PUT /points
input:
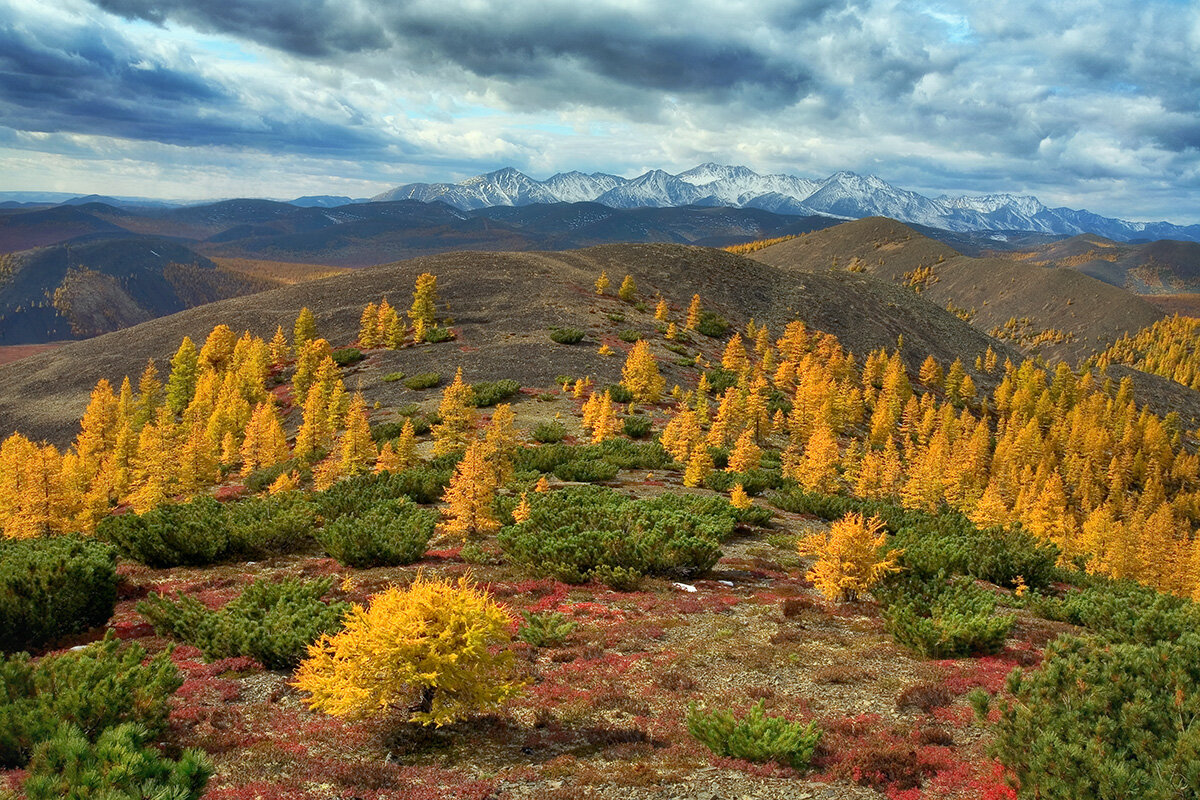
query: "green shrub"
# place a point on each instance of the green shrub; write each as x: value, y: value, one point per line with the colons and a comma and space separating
x: 619, y: 393
x: 437, y: 335
x: 712, y: 324
x: 123, y: 764
x: 98, y: 687
x: 589, y: 470
x: 489, y: 393
x: 261, y: 479
x: 53, y: 586
x: 720, y: 379
x: 756, y: 737
x: 629, y: 335
x: 940, y: 619
x: 566, y: 335
x: 545, y: 630
x: 637, y: 427
x: 392, y: 377
x: 549, y: 432
x: 171, y: 535
x: 347, y: 356
x: 1103, y: 720
x: 574, y: 534
x: 678, y: 349
x: 352, y: 495
x: 271, y: 525
x: 615, y: 316
x: 426, y: 380
x: 387, y: 534
x: 271, y: 622
x: 1123, y: 611
x: 754, y: 482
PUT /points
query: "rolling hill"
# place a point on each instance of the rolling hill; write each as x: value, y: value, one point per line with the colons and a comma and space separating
x: 1058, y: 313
x: 502, y: 305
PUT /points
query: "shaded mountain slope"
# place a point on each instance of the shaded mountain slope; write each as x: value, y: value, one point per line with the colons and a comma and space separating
x: 1059, y: 313
x: 1160, y: 267
x: 502, y: 305
x: 25, y: 230
x: 81, y: 289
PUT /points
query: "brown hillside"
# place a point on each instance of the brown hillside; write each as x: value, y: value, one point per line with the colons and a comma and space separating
x: 1058, y: 313
x: 502, y: 305
x: 1151, y: 268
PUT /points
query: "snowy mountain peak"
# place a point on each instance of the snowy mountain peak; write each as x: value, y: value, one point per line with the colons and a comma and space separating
x: 844, y: 194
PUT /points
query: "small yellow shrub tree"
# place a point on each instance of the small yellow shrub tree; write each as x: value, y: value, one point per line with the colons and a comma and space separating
x: 848, y: 557
x: 435, y: 648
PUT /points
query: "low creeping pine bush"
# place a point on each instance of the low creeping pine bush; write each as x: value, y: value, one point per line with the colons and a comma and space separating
x: 271, y: 622
x: 98, y: 687
x: 262, y: 526
x: 261, y: 479
x: 489, y: 393
x: 122, y: 764
x: 1099, y: 719
x: 171, y: 535
x: 712, y: 324
x: 566, y: 335
x: 940, y: 618
x: 347, y: 356
x: 386, y: 534
x: 426, y: 380
x: 546, y: 629
x: 53, y: 586
x: 585, y: 532
x: 437, y: 335
x: 637, y: 427
x: 1122, y: 611
x: 549, y: 432
x: 423, y: 484
x: 619, y: 393
x: 755, y: 737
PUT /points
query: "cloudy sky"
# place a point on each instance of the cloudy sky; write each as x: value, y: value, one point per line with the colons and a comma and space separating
x: 1092, y: 104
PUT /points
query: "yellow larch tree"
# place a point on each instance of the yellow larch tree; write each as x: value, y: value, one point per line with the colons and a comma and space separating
x: 640, y: 374
x: 265, y: 442
x: 181, y: 383
x: 423, y: 312
x: 217, y: 353
x: 738, y: 497
x: 602, y: 283
x: 699, y: 465
x: 682, y: 434
x: 734, y: 358
x: 368, y: 327
x: 501, y: 441
x: 850, y: 557
x: 605, y: 424
x: 304, y: 330
x: 400, y: 454
x: 694, y: 312
x: 746, y: 454
x: 279, y: 348
x: 931, y: 374
x: 471, y: 494
x: 457, y: 413
x: 356, y: 451
x: 309, y: 358
x: 661, y: 310
x: 628, y: 289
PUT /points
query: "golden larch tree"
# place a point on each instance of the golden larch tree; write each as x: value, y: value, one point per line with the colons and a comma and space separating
x: 304, y: 330
x: 694, y: 312
x: 423, y: 312
x: 849, y: 557
x: 471, y: 494
x: 640, y: 374
x: 457, y: 413
x: 602, y: 283
x: 628, y: 289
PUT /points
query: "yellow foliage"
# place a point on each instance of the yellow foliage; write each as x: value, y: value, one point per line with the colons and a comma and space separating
x: 522, y: 511
x: 628, y: 289
x: 602, y: 283
x: 435, y: 649
x: 457, y: 411
x: 640, y: 374
x: 693, y: 313
x: 738, y: 497
x: 424, y: 305
x: 660, y: 310
x: 848, y: 557
x: 470, y: 495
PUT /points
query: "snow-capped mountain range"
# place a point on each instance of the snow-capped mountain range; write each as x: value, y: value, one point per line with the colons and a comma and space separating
x: 843, y: 194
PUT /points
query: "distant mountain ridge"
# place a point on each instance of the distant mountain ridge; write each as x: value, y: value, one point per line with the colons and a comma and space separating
x: 843, y: 194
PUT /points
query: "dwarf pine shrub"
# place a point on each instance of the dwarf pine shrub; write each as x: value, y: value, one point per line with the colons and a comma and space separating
x: 546, y: 629
x: 122, y: 764
x: 489, y: 393
x: 171, y: 535
x: 386, y: 534
x: 577, y: 533
x: 944, y: 619
x: 53, y: 586
x: 98, y: 687
x: 755, y: 737
x: 566, y: 335
x: 271, y: 622
x: 423, y: 484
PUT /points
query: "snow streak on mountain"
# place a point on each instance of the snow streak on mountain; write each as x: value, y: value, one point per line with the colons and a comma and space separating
x: 843, y: 194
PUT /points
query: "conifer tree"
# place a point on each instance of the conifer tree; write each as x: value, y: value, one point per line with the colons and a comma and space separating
x: 672, y: 332
x: 522, y: 511
x: 931, y: 373
x: 694, y: 312
x: 471, y: 494
x: 181, y: 384
x: 217, y: 353
x: 640, y: 374
x: 501, y: 442
x: 309, y: 358
x: 628, y: 289
x: 264, y: 443
x: 661, y: 311
x: 368, y: 327
x: 152, y: 468
x: 850, y: 557
x: 305, y: 329
x: 280, y: 351
x: 699, y: 465
x: 682, y: 434
x: 605, y: 423
x: 150, y: 395
x: 457, y: 413
x: 356, y: 451
x: 602, y: 283
x: 738, y: 497
x: 423, y: 312
x: 734, y: 358
x: 314, y: 434
x: 817, y: 472
x: 746, y: 454
x: 390, y: 326
x: 388, y: 459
